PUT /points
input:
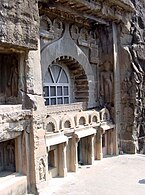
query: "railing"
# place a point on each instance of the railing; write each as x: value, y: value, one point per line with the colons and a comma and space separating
x: 73, y: 120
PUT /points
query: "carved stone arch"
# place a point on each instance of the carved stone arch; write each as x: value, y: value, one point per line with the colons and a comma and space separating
x: 94, y: 117
x: 81, y: 88
x: 104, y: 115
x: 69, y: 120
x: 81, y: 116
x: 60, y: 48
x: 52, y: 125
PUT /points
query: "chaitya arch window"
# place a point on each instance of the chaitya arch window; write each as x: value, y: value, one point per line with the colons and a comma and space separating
x: 56, y: 86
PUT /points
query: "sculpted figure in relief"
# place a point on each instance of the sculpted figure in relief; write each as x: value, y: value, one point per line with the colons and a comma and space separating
x: 13, y: 79
x: 106, y: 86
x: 41, y: 169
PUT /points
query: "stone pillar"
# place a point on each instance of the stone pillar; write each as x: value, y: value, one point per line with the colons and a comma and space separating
x: 109, y: 144
x: 114, y: 140
x: 117, y: 90
x: 91, y: 152
x: 62, y: 167
x: 27, y: 145
x: 74, y: 154
x: 99, y: 154
x: 18, y: 154
x: 19, y: 141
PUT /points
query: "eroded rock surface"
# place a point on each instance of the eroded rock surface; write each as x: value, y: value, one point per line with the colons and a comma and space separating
x: 19, y: 23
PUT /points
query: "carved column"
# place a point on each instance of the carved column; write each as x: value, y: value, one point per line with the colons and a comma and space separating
x: 19, y: 154
x: 62, y: 160
x: 27, y: 144
x: 91, y: 152
x: 99, y: 154
x: 74, y: 154
x: 116, y: 84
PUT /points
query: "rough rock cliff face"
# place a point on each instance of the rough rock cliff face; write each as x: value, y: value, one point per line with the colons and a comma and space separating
x: 132, y: 67
x: 19, y: 23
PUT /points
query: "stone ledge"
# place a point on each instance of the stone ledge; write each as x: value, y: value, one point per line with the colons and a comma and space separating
x: 13, y: 184
x: 53, y: 109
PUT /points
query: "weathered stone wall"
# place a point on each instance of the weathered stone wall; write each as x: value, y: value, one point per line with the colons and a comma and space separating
x: 19, y: 23
x: 132, y: 60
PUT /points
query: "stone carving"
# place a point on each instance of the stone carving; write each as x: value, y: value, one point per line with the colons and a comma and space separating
x: 107, y: 82
x: 74, y: 31
x: 10, y: 155
x: 52, y: 124
x: 94, y: 50
x: 46, y: 31
x: 57, y: 28
x: 7, y: 155
x: 50, y: 30
x: 42, y: 170
x: 94, y: 117
x: 67, y: 121
x: 81, y: 118
x: 13, y: 79
x: 104, y: 115
x: 84, y: 38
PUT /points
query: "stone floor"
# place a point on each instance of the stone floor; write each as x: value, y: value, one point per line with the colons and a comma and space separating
x: 120, y: 175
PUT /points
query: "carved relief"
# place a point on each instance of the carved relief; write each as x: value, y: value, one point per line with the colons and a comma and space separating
x: 84, y: 38
x: 46, y: 30
x: 52, y: 124
x: 57, y: 28
x: 94, y: 50
x: 81, y: 118
x: 107, y: 83
x: 104, y: 115
x: 7, y: 155
x: 50, y: 30
x: 9, y: 78
x: 42, y: 170
x: 10, y: 159
x: 67, y: 122
x: 94, y: 117
x: 74, y: 31
x: 13, y: 79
